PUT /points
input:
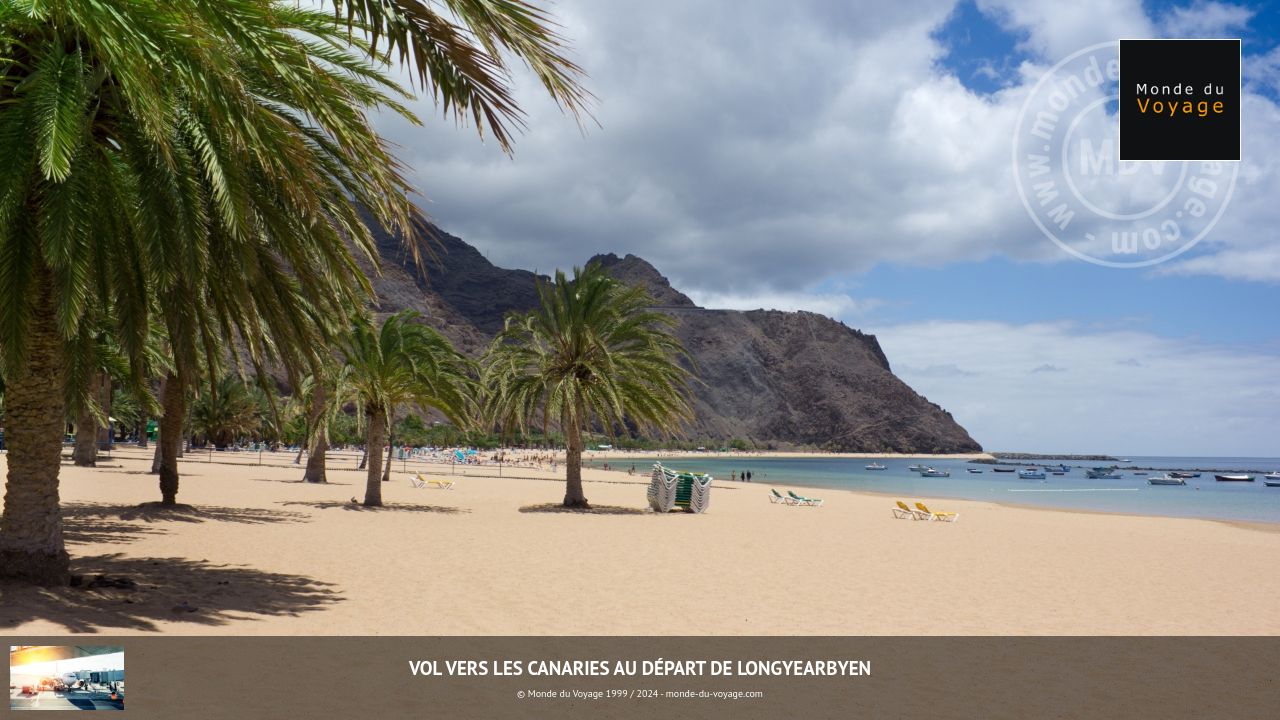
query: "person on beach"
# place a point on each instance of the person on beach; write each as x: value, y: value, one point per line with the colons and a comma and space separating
x: 748, y: 476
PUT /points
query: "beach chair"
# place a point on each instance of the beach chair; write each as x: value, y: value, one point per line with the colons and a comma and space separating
x: 425, y: 482
x: 802, y: 500
x: 418, y: 482
x: 904, y: 511
x: 927, y: 514
x: 777, y: 497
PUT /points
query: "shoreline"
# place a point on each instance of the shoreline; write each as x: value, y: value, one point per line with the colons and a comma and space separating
x: 258, y: 552
x: 781, y: 454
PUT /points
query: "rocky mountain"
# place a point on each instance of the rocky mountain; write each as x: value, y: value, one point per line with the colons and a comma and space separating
x: 777, y: 379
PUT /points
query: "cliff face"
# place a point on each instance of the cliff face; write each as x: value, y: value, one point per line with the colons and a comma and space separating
x: 785, y: 379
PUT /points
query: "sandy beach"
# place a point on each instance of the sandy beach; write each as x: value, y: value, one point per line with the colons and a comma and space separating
x: 259, y: 553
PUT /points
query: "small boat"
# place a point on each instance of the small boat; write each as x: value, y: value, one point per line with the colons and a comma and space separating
x: 1165, y: 480
x: 1059, y: 473
x: 1272, y: 476
x: 930, y: 472
x: 1031, y: 474
x: 1233, y: 478
x: 875, y: 466
x: 1184, y: 475
x: 915, y: 468
x: 1002, y: 469
x: 1271, y: 483
x: 1057, y: 469
x: 975, y: 471
x: 1101, y: 473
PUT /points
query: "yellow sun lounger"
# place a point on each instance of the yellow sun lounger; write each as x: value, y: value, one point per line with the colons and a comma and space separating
x: 930, y: 515
x: 904, y: 511
x: 424, y: 482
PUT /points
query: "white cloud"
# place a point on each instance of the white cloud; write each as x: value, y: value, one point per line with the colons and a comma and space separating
x: 780, y: 144
x: 837, y: 305
x: 1114, y: 391
x: 1206, y: 20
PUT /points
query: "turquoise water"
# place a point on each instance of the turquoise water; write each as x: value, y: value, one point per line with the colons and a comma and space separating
x: 1201, y: 497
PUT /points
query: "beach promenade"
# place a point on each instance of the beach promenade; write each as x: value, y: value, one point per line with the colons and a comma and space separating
x: 259, y: 553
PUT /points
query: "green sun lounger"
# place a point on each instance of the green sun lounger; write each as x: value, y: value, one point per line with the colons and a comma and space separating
x: 802, y: 500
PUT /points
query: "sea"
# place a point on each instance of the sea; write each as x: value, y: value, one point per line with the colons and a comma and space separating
x: 1201, y: 497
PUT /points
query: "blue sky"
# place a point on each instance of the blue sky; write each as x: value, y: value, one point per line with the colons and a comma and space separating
x: 853, y: 159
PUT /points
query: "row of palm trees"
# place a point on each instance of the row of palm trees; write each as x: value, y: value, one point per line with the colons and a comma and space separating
x: 193, y: 184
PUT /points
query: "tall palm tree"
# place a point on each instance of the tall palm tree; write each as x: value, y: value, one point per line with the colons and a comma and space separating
x: 320, y: 398
x: 201, y: 165
x: 402, y: 362
x: 591, y: 353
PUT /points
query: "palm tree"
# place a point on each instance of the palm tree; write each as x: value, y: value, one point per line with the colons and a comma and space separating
x: 592, y: 353
x: 402, y: 362
x: 227, y: 412
x: 320, y: 399
x: 201, y: 166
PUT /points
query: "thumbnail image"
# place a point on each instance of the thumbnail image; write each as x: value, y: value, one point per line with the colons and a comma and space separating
x: 66, y: 677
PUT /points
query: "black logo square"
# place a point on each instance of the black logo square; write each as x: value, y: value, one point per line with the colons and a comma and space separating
x: 1179, y: 99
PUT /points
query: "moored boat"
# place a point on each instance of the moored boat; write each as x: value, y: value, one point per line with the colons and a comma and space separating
x: 1272, y: 483
x: 930, y: 472
x: 1057, y: 469
x: 1272, y: 476
x: 875, y: 466
x: 1102, y: 473
x: 1002, y: 469
x: 1165, y: 480
x: 915, y: 468
x: 1233, y: 478
x: 1184, y: 475
x: 975, y: 471
x: 1031, y: 474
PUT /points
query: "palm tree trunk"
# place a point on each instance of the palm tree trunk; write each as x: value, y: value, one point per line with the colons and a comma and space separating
x: 142, y: 430
x: 573, y: 495
x: 86, y: 450
x: 170, y: 440
x: 391, y: 444
x: 374, y: 440
x: 104, y: 438
x: 319, y: 440
x: 31, y: 544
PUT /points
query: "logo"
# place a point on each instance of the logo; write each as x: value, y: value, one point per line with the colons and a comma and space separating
x: 1110, y: 212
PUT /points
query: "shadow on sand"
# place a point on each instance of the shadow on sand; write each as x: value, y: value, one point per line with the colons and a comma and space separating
x: 154, y: 512
x: 163, y: 589
x: 328, y: 483
x: 389, y: 507
x: 593, y: 510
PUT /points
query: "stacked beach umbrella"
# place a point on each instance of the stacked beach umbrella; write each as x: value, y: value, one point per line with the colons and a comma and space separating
x: 669, y: 490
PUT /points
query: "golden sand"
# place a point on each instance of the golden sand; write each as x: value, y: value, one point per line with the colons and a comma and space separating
x: 261, y: 553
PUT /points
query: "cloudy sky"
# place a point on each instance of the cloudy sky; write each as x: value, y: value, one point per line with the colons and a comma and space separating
x: 854, y: 159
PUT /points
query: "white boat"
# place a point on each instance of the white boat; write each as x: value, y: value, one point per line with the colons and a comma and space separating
x: 975, y: 471
x: 930, y: 472
x: 1101, y: 473
x: 1272, y: 483
x: 875, y: 466
x: 1165, y: 480
x: 1031, y: 474
x: 915, y: 468
x: 1272, y: 476
x: 1233, y: 478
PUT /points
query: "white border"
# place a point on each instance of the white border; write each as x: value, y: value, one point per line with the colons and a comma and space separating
x: 1239, y: 96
